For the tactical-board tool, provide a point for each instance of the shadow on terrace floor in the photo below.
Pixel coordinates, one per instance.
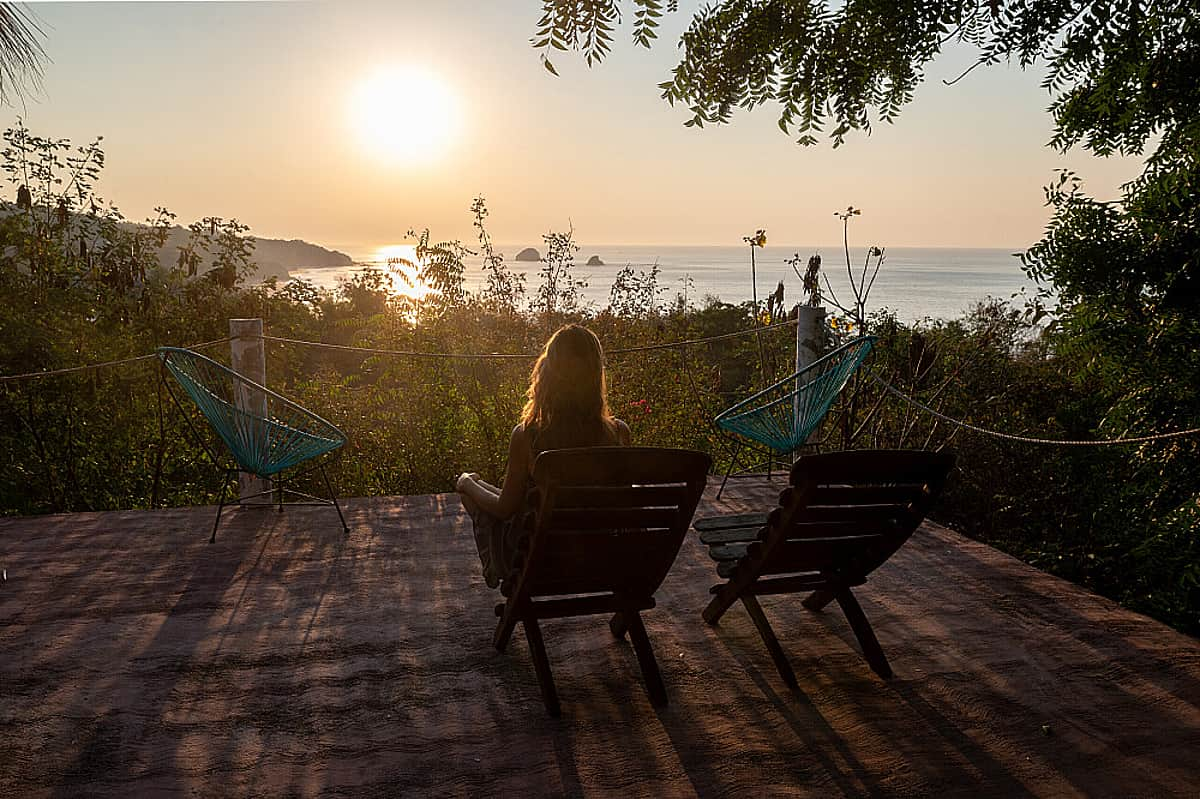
(290, 659)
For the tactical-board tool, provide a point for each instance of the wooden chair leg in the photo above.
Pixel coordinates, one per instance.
(768, 635)
(541, 665)
(717, 606)
(645, 655)
(728, 593)
(506, 625)
(618, 625)
(817, 600)
(865, 635)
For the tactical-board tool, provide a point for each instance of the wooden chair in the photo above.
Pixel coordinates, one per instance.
(607, 525)
(843, 515)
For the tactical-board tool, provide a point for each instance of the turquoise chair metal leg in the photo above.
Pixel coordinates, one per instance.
(333, 496)
(231, 473)
(732, 466)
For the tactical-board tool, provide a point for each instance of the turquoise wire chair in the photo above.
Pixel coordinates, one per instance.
(783, 416)
(265, 433)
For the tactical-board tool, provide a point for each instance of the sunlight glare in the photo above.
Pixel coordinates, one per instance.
(405, 115)
(400, 262)
(391, 252)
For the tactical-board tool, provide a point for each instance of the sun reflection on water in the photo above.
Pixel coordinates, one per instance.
(397, 263)
(392, 252)
(400, 263)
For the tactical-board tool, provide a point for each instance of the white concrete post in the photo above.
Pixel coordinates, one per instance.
(810, 340)
(249, 358)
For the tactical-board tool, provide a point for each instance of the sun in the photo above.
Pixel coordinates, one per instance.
(405, 115)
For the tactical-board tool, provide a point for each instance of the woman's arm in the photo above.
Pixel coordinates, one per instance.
(507, 501)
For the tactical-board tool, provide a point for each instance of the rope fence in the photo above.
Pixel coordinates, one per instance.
(91, 367)
(622, 351)
(1026, 439)
(397, 353)
(666, 345)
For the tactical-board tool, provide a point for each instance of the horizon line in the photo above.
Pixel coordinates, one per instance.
(517, 246)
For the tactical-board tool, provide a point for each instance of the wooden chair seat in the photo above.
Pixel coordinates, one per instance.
(842, 516)
(608, 524)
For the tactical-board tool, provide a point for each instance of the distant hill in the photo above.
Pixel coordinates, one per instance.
(273, 257)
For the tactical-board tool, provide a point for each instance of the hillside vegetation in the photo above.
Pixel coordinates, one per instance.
(83, 287)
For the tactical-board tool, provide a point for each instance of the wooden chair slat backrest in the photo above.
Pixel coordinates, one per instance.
(611, 519)
(567, 520)
(642, 496)
(861, 506)
(607, 525)
(843, 516)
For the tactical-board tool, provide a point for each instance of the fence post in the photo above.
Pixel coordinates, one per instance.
(810, 343)
(248, 354)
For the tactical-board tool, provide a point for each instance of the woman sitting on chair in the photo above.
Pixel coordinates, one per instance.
(566, 407)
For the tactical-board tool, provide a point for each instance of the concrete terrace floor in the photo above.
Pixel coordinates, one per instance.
(289, 660)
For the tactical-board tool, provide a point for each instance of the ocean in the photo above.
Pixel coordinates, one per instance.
(914, 282)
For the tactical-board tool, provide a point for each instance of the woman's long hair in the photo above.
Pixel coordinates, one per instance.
(566, 404)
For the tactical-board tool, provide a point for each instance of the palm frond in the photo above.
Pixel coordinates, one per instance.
(21, 52)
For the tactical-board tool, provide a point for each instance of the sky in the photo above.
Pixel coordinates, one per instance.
(284, 115)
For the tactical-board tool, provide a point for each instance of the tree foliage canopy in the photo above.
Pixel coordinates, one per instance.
(1120, 70)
